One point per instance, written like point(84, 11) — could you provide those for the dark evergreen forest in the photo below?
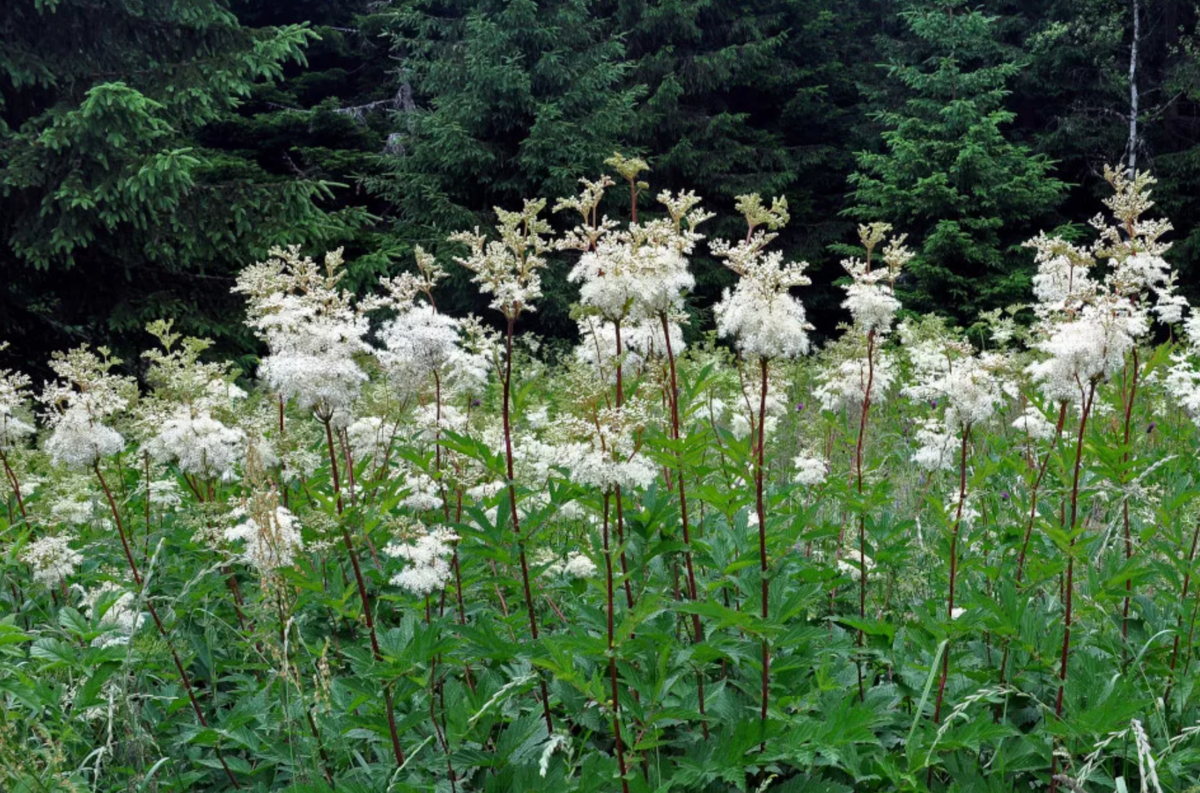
point(151, 148)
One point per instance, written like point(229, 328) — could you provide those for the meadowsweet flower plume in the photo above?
point(859, 362)
point(77, 404)
point(509, 268)
point(52, 558)
point(311, 330)
point(427, 555)
point(760, 314)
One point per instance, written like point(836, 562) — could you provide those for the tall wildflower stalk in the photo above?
point(969, 388)
point(635, 279)
point(509, 270)
point(1069, 585)
point(85, 395)
point(1088, 328)
point(766, 323)
point(862, 377)
point(314, 335)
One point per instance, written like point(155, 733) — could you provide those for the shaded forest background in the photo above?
point(151, 148)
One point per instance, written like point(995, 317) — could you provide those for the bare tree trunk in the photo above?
point(1132, 145)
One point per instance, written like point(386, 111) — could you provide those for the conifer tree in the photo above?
point(946, 173)
point(112, 209)
point(512, 99)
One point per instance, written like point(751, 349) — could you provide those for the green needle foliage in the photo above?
point(947, 171)
point(112, 209)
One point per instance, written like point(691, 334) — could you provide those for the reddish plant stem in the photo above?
point(864, 415)
point(146, 541)
point(1069, 586)
point(16, 485)
point(1035, 491)
point(1125, 506)
point(162, 630)
point(1062, 417)
point(962, 497)
point(620, 501)
point(1187, 650)
point(762, 539)
point(397, 751)
point(512, 501)
point(693, 592)
point(612, 655)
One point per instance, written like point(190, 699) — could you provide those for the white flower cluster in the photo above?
point(576, 565)
point(1183, 377)
point(1034, 425)
point(370, 438)
point(936, 446)
point(164, 494)
point(609, 456)
point(965, 387)
point(1087, 327)
point(271, 537)
point(312, 331)
point(76, 507)
point(198, 444)
point(871, 302)
point(1087, 349)
point(120, 620)
point(78, 403)
point(428, 558)
point(509, 269)
point(810, 470)
point(759, 314)
point(14, 387)
point(843, 383)
point(421, 344)
point(745, 406)
point(969, 385)
point(52, 559)
point(640, 272)
point(641, 342)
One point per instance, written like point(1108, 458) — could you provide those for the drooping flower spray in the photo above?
point(766, 323)
point(509, 269)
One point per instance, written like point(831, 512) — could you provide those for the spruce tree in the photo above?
point(946, 174)
point(112, 209)
point(749, 96)
point(512, 99)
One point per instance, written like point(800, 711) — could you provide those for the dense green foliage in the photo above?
point(440, 561)
point(948, 175)
point(114, 206)
point(147, 150)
